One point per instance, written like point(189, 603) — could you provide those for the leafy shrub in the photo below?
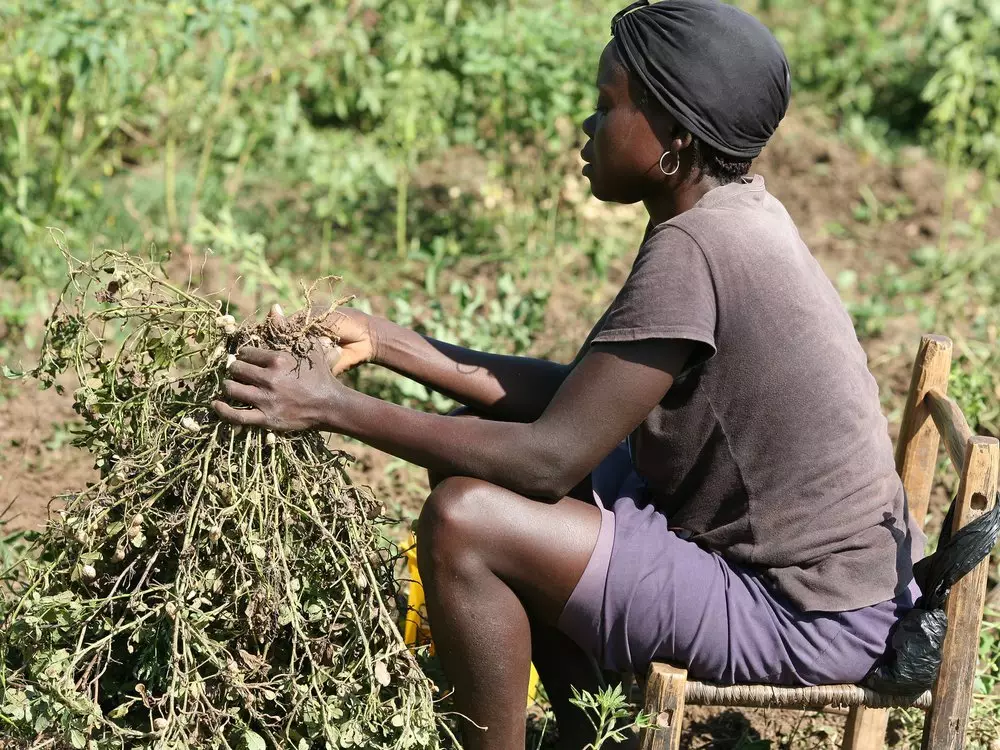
point(863, 59)
point(76, 80)
point(963, 48)
point(928, 70)
point(327, 107)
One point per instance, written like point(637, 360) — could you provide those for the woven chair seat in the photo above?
point(777, 696)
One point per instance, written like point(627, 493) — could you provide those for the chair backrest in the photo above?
point(928, 416)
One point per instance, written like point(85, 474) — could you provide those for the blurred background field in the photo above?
point(427, 152)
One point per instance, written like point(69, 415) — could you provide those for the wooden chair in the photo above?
point(928, 416)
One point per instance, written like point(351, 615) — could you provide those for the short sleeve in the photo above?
point(669, 294)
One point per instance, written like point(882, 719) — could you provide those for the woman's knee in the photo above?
point(453, 520)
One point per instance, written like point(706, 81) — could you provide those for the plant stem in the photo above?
point(170, 158)
point(325, 245)
point(208, 142)
point(402, 186)
point(955, 146)
point(22, 152)
point(84, 159)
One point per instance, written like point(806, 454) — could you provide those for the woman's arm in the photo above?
point(500, 387)
point(602, 400)
point(497, 386)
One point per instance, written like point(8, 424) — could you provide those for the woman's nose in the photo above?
point(588, 126)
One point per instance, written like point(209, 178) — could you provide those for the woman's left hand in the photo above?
point(284, 393)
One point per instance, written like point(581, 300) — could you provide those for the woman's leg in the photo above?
point(561, 664)
point(488, 557)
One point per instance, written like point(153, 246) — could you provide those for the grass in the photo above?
point(957, 292)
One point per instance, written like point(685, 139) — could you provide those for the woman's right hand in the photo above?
point(355, 334)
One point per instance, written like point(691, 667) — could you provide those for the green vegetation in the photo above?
point(299, 125)
point(958, 292)
point(611, 715)
point(925, 70)
point(425, 150)
point(13, 548)
point(298, 138)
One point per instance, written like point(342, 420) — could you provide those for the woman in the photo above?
point(711, 480)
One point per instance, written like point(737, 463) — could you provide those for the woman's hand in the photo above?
point(284, 393)
point(356, 336)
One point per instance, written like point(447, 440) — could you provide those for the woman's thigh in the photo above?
point(667, 598)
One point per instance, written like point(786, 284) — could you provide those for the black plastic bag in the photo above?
point(914, 657)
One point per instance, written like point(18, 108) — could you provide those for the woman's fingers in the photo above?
point(333, 356)
point(247, 394)
point(331, 351)
point(255, 356)
point(244, 372)
point(248, 417)
point(252, 366)
point(347, 359)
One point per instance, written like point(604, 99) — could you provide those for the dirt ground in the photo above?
point(821, 181)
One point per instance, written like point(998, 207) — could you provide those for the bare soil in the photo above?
point(37, 463)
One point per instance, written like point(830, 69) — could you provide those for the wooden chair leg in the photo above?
point(865, 729)
point(944, 727)
point(664, 705)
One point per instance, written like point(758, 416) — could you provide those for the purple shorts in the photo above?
point(648, 594)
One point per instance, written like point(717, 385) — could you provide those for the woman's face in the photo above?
point(623, 152)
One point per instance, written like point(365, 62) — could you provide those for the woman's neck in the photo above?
point(668, 204)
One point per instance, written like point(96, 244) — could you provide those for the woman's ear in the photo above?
point(680, 141)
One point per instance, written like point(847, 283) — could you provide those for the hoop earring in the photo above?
point(677, 165)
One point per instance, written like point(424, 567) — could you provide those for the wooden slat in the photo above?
point(944, 728)
point(665, 706)
point(951, 424)
point(865, 729)
point(917, 445)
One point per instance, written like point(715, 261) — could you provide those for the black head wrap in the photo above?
point(716, 69)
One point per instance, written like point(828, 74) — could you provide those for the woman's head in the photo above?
point(689, 91)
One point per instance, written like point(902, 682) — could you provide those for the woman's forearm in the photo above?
point(510, 454)
point(501, 387)
point(613, 387)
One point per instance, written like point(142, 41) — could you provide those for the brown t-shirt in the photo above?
point(771, 447)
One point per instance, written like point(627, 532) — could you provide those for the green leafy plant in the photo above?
point(863, 59)
point(964, 93)
point(954, 292)
point(924, 71)
point(14, 546)
point(610, 713)
point(470, 316)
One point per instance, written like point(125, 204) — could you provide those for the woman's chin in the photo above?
point(595, 190)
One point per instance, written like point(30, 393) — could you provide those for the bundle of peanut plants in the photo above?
point(215, 587)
